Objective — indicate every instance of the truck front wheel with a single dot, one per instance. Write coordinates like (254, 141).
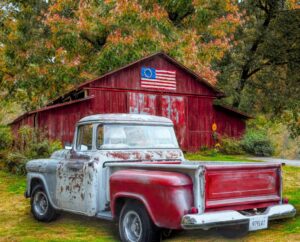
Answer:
(135, 225)
(40, 205)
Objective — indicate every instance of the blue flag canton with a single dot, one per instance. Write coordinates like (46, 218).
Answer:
(148, 73)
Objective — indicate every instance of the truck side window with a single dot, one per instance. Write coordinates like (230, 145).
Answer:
(99, 136)
(84, 137)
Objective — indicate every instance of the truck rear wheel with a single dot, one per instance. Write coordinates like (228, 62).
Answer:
(135, 224)
(40, 205)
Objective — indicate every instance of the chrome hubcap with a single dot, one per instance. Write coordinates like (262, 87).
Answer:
(40, 203)
(132, 226)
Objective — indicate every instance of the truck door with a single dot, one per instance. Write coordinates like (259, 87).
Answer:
(75, 175)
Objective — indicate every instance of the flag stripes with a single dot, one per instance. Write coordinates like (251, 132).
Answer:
(158, 79)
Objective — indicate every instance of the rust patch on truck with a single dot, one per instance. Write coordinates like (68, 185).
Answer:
(118, 155)
(143, 155)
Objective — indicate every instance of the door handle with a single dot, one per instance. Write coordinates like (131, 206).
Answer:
(75, 165)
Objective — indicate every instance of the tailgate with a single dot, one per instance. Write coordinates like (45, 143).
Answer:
(242, 186)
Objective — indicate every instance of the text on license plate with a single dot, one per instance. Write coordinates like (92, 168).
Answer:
(258, 222)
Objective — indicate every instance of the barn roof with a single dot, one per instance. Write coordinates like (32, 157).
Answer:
(233, 110)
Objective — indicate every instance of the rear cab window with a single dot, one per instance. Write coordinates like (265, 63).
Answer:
(115, 136)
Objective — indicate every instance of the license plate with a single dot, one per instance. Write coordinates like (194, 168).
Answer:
(258, 222)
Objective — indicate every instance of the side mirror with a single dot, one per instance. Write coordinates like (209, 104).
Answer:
(83, 148)
(68, 146)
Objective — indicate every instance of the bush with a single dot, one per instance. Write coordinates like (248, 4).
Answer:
(15, 162)
(257, 143)
(6, 138)
(231, 146)
(30, 144)
(42, 149)
(286, 146)
(212, 152)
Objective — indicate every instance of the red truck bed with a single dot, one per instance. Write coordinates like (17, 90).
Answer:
(241, 187)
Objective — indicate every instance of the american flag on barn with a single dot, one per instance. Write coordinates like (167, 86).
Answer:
(158, 79)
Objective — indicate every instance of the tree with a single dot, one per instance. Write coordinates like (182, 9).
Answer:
(267, 50)
(48, 47)
(260, 74)
(267, 46)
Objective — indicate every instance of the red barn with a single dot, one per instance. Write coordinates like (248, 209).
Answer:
(188, 101)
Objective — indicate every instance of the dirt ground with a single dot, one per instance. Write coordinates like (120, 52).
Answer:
(17, 223)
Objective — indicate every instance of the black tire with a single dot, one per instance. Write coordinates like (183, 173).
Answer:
(40, 205)
(235, 231)
(135, 224)
(166, 233)
(169, 233)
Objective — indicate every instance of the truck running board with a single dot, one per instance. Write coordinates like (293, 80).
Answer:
(105, 215)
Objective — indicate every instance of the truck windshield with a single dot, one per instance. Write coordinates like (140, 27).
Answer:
(137, 136)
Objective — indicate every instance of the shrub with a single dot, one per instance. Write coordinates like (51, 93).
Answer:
(209, 152)
(203, 148)
(30, 144)
(15, 162)
(42, 149)
(285, 145)
(257, 143)
(55, 145)
(6, 138)
(231, 146)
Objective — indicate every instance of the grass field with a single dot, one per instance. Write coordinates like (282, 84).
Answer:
(203, 156)
(17, 223)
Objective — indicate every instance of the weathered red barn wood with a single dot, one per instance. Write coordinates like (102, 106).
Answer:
(190, 106)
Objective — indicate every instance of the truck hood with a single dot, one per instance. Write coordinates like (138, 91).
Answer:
(39, 165)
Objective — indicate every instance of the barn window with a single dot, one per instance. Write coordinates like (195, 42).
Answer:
(84, 137)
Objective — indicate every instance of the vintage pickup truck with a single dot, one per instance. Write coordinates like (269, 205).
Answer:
(129, 168)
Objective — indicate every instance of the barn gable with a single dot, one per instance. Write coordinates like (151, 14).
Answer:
(128, 77)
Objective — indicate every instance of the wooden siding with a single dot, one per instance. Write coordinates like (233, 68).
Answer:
(229, 123)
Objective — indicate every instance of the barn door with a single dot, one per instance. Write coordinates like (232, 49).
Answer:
(142, 103)
(173, 107)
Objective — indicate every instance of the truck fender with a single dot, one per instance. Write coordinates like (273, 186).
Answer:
(130, 196)
(41, 178)
(167, 196)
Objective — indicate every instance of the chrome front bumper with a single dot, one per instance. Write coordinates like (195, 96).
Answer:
(224, 218)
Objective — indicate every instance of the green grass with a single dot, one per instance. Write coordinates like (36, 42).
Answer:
(17, 223)
(216, 156)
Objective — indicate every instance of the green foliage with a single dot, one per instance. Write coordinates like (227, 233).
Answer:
(257, 143)
(285, 144)
(209, 152)
(260, 74)
(15, 162)
(30, 144)
(231, 146)
(42, 149)
(6, 138)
